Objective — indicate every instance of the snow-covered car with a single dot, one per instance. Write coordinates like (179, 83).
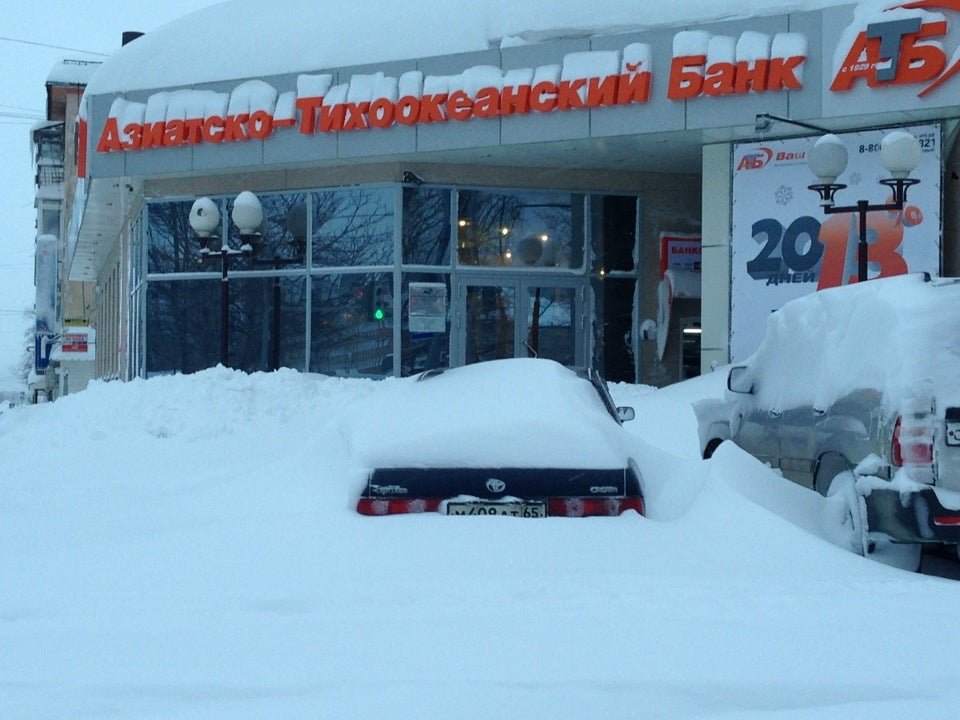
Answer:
(520, 437)
(855, 391)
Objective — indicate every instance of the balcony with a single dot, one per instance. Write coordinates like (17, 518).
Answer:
(48, 143)
(48, 175)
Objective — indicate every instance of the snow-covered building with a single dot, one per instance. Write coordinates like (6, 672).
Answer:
(61, 307)
(445, 183)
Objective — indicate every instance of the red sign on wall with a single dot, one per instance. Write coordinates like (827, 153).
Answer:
(679, 251)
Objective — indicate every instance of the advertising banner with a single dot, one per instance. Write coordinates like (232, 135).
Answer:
(783, 246)
(76, 343)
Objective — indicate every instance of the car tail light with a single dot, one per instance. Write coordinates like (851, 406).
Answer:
(592, 506)
(556, 507)
(947, 520)
(383, 506)
(912, 442)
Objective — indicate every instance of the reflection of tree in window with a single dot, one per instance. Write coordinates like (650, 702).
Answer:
(550, 324)
(169, 236)
(253, 337)
(555, 219)
(490, 323)
(483, 218)
(492, 228)
(284, 227)
(353, 227)
(426, 226)
(344, 337)
(182, 325)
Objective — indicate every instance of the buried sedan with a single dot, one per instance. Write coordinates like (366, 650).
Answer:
(523, 438)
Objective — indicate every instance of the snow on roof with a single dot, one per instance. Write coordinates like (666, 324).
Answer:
(899, 335)
(239, 39)
(72, 72)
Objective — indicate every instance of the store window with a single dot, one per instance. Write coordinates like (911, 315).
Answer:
(353, 227)
(616, 278)
(426, 226)
(183, 328)
(520, 229)
(171, 246)
(352, 324)
(343, 249)
(283, 233)
(614, 222)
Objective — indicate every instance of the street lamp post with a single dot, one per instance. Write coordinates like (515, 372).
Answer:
(900, 152)
(296, 224)
(247, 215)
(276, 262)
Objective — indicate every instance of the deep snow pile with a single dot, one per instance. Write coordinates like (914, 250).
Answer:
(875, 331)
(475, 416)
(186, 547)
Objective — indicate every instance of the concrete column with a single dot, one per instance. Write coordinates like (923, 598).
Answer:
(715, 277)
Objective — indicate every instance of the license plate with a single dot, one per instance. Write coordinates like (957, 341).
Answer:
(953, 433)
(514, 509)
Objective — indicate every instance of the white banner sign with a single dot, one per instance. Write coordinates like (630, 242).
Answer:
(784, 246)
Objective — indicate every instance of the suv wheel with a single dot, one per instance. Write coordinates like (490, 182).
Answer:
(851, 510)
(847, 513)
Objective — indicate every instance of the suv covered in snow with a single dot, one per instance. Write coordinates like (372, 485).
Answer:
(856, 391)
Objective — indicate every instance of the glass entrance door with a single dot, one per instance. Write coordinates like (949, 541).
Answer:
(489, 327)
(520, 317)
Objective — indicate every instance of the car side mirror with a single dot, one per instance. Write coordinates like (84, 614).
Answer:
(625, 413)
(739, 380)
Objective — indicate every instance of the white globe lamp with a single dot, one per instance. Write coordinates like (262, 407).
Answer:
(247, 213)
(900, 152)
(204, 217)
(828, 159)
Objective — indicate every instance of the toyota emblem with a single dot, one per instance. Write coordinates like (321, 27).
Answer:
(496, 486)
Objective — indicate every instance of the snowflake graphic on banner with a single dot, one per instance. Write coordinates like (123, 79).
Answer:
(783, 195)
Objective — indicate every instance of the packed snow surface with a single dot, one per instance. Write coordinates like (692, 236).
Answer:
(187, 547)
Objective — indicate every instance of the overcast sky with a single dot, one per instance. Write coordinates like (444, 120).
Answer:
(95, 26)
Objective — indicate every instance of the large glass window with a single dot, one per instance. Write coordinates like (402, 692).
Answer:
(520, 229)
(551, 323)
(267, 323)
(352, 324)
(353, 227)
(283, 233)
(171, 246)
(491, 314)
(614, 224)
(183, 326)
(426, 226)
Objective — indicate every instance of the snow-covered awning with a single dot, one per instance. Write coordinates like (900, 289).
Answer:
(98, 220)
